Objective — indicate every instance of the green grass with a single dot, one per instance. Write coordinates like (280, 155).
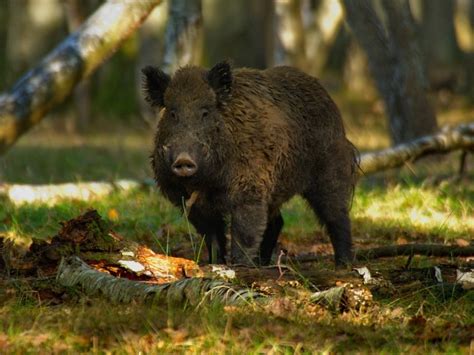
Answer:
(386, 208)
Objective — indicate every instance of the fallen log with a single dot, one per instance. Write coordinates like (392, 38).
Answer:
(79, 55)
(73, 271)
(460, 137)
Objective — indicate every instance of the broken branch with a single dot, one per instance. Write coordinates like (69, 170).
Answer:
(460, 137)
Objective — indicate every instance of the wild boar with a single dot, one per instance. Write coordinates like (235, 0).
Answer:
(244, 141)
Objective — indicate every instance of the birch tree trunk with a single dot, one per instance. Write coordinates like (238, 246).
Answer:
(290, 47)
(183, 35)
(395, 64)
(79, 55)
(322, 26)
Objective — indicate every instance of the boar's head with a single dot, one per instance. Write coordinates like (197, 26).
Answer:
(189, 144)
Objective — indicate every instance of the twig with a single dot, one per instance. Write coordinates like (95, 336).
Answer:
(396, 250)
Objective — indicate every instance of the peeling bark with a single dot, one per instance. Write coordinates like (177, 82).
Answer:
(460, 137)
(74, 272)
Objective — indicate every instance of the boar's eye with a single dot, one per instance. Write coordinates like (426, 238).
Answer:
(204, 113)
(173, 114)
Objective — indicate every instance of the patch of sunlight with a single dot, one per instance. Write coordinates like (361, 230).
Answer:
(52, 194)
(423, 209)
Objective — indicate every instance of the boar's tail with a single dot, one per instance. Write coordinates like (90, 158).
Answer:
(355, 168)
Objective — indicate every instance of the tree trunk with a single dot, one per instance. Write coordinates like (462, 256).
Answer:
(238, 30)
(395, 65)
(42, 88)
(290, 47)
(183, 35)
(33, 29)
(82, 99)
(324, 26)
(441, 51)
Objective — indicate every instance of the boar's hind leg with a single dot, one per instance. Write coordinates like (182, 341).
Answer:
(212, 228)
(332, 210)
(248, 223)
(270, 238)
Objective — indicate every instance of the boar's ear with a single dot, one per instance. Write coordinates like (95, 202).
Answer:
(220, 79)
(155, 82)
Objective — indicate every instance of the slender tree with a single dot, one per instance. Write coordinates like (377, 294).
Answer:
(290, 46)
(183, 34)
(395, 64)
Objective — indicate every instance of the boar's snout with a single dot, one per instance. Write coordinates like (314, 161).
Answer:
(184, 165)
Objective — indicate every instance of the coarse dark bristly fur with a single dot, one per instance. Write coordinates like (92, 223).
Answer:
(246, 141)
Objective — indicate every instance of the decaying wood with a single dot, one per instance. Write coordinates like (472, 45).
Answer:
(74, 272)
(343, 297)
(42, 88)
(90, 238)
(460, 137)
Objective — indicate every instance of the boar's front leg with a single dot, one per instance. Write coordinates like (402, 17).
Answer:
(248, 223)
(270, 237)
(211, 226)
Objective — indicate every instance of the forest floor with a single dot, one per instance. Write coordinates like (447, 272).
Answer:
(418, 203)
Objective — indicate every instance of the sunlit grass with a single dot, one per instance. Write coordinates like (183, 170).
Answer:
(409, 211)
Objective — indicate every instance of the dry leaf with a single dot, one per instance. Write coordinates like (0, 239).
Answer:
(113, 214)
(401, 241)
(462, 242)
